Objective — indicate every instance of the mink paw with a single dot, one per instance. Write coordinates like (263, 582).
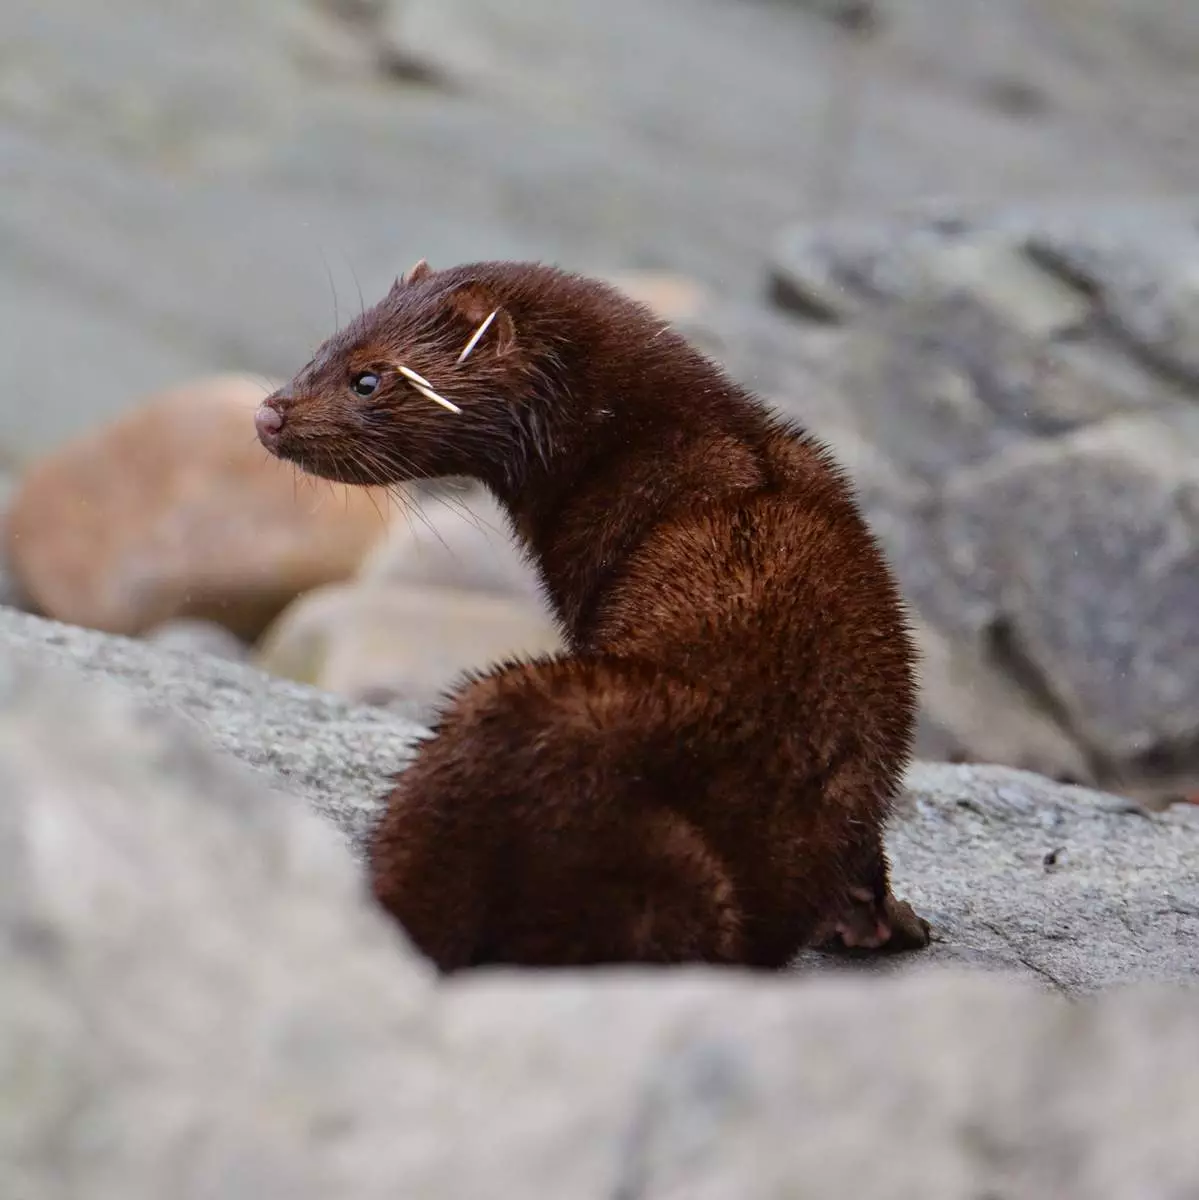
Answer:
(866, 926)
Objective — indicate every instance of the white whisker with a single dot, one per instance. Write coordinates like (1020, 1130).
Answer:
(478, 333)
(430, 394)
(426, 389)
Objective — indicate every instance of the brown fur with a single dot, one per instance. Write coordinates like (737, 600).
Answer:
(706, 774)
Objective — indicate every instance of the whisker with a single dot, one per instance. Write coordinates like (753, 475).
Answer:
(478, 333)
(426, 389)
(332, 288)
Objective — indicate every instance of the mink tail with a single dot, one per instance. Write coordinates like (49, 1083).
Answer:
(545, 826)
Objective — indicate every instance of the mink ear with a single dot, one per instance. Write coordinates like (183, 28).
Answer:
(422, 270)
(477, 308)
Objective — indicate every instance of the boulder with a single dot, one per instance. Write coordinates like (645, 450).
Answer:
(1086, 548)
(451, 534)
(175, 510)
(1068, 887)
(199, 1000)
(380, 643)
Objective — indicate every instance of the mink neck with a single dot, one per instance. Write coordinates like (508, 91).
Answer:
(610, 460)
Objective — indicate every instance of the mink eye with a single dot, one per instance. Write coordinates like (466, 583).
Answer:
(364, 383)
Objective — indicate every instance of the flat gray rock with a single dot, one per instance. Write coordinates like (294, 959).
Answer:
(1117, 900)
(199, 1002)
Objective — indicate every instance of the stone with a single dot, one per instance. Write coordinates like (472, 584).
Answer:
(452, 536)
(841, 270)
(198, 1000)
(315, 747)
(382, 643)
(194, 987)
(971, 711)
(673, 297)
(190, 636)
(1087, 547)
(1144, 276)
(1071, 888)
(176, 511)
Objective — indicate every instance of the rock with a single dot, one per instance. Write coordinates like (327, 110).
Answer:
(318, 748)
(1120, 901)
(198, 1001)
(1145, 281)
(1022, 291)
(453, 536)
(194, 988)
(673, 297)
(379, 643)
(176, 511)
(189, 636)
(973, 344)
(970, 711)
(1088, 549)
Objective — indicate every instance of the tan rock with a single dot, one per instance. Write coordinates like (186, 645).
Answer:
(672, 297)
(378, 642)
(175, 510)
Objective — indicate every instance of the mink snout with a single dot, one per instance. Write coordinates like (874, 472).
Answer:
(268, 422)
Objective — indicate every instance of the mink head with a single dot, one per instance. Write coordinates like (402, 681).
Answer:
(445, 376)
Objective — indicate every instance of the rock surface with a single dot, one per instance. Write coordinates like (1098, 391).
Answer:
(198, 1001)
(1118, 901)
(176, 511)
(1023, 375)
(453, 535)
(444, 591)
(379, 643)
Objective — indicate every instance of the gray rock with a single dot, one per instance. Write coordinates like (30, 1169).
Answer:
(1088, 550)
(187, 635)
(971, 711)
(333, 755)
(1145, 277)
(969, 845)
(198, 1002)
(194, 988)
(1013, 298)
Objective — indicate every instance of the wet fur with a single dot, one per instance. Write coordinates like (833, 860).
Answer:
(705, 775)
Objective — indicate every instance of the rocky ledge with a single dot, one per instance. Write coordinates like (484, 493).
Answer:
(198, 999)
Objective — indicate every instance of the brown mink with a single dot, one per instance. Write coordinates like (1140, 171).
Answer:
(706, 773)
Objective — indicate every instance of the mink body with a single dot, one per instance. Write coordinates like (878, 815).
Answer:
(705, 774)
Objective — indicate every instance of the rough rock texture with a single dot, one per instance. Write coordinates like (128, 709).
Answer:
(190, 635)
(175, 510)
(1024, 375)
(319, 748)
(1086, 549)
(194, 990)
(198, 1002)
(1118, 901)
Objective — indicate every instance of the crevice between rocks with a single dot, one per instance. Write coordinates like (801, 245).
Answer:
(1003, 650)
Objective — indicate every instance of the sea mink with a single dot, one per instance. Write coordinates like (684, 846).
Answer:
(706, 773)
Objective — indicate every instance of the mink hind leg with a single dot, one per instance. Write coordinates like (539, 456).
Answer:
(872, 919)
(534, 830)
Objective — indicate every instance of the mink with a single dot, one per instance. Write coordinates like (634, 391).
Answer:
(705, 772)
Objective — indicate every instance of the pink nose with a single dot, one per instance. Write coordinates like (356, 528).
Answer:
(268, 421)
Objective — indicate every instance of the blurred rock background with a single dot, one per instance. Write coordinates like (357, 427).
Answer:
(960, 241)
